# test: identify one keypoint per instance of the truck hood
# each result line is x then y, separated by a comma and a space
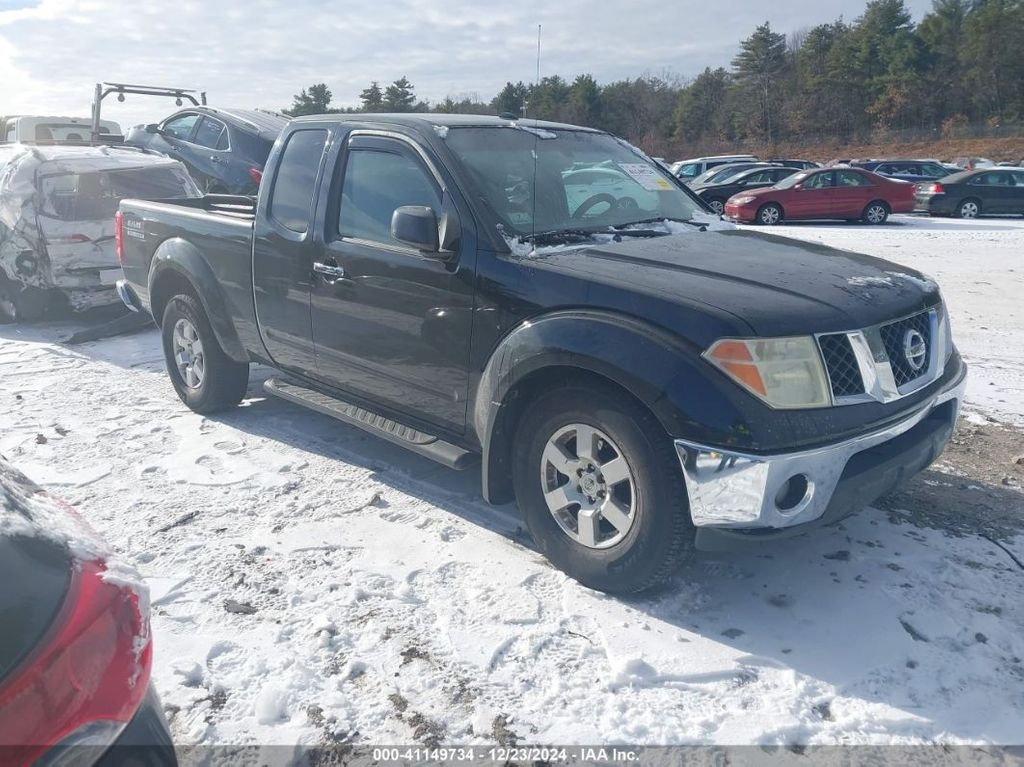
778, 286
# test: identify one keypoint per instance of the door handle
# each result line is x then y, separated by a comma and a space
330, 271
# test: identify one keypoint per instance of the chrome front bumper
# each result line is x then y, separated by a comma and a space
740, 490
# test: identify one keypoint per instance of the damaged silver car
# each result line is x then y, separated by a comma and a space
57, 206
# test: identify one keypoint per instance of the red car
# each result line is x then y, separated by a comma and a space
75, 649
843, 193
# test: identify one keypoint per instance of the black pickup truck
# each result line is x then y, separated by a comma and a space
547, 302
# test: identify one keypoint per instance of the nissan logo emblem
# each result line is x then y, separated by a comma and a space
915, 349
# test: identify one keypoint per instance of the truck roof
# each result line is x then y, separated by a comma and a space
421, 119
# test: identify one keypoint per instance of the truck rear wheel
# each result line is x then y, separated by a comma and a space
601, 489
205, 378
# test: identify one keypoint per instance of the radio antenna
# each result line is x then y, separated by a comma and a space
533, 215
538, 55
536, 81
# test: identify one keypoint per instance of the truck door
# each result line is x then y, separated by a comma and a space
390, 323
283, 252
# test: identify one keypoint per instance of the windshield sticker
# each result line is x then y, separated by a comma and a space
646, 176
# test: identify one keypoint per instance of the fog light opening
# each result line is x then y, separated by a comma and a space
792, 492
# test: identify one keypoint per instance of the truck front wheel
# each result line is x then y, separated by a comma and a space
601, 489
205, 378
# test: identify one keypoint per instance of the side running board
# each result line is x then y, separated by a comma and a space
418, 442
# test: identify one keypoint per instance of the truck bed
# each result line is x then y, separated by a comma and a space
211, 235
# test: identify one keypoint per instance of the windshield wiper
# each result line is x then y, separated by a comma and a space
659, 219
559, 235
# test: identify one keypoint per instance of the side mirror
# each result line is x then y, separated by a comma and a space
152, 128
416, 226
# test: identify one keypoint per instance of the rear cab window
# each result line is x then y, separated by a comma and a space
291, 198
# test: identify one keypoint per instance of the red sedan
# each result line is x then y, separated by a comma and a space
841, 193
75, 650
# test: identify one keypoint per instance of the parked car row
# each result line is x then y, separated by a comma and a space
695, 169
850, 194
764, 194
699, 171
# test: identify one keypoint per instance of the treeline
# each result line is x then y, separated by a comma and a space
962, 64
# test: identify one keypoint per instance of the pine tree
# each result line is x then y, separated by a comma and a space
314, 101
757, 67
372, 98
511, 99
399, 96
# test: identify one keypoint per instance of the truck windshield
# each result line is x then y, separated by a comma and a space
554, 180
94, 195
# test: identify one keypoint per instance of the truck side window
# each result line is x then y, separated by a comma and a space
377, 182
292, 196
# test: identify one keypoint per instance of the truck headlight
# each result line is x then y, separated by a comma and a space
742, 200
782, 372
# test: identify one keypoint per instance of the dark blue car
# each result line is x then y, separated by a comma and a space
914, 171
223, 149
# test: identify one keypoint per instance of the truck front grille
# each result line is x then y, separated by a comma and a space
895, 336
841, 363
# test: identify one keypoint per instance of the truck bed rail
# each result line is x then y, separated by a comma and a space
233, 205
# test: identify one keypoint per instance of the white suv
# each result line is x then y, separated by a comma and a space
36, 129
690, 169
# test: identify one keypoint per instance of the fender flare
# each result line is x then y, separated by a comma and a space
179, 258
657, 367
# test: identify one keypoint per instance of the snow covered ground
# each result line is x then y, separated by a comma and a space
313, 584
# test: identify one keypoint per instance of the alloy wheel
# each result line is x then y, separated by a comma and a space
969, 209
588, 486
188, 353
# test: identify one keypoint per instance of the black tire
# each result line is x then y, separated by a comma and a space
770, 214
875, 212
661, 534
969, 208
8, 308
223, 381
19, 303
